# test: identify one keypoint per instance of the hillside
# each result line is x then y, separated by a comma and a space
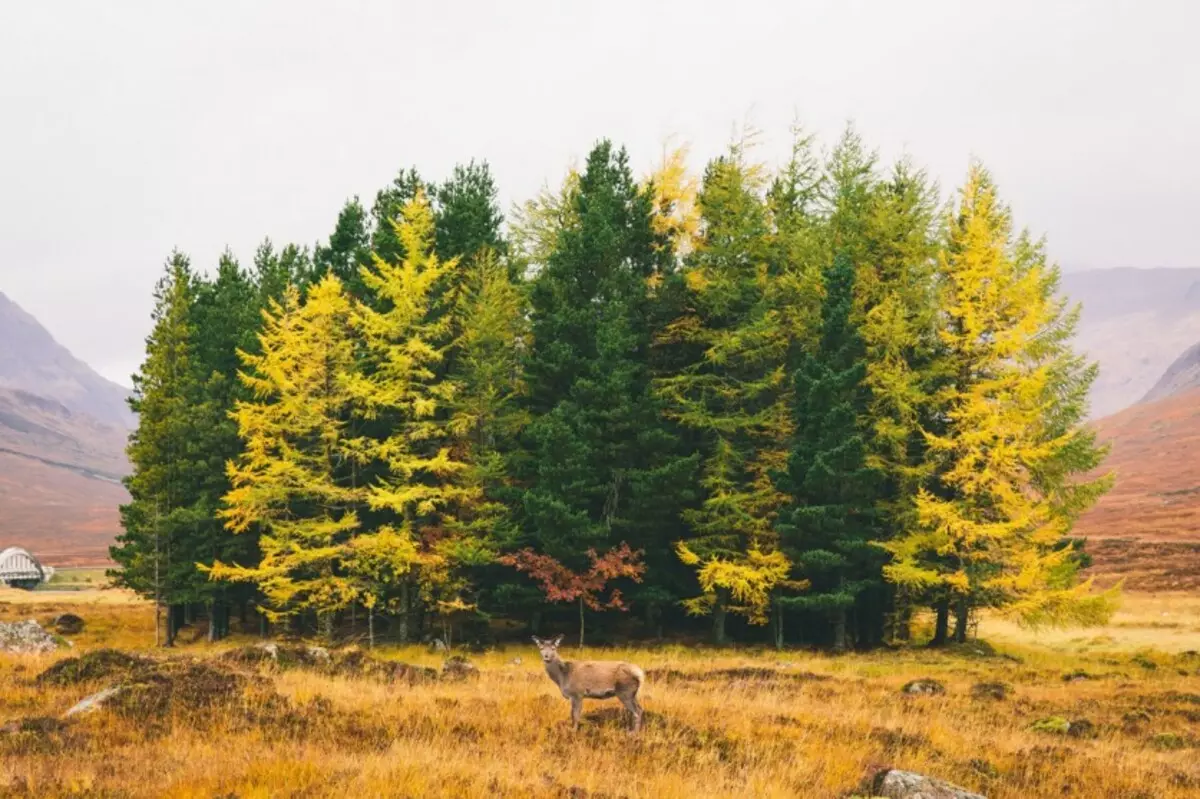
1135, 323
1148, 527
32, 361
1182, 375
62, 437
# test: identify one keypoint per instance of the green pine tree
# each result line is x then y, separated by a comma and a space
167, 499
828, 528
599, 463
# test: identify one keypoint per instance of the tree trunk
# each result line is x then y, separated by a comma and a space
942, 628
535, 621
370, 628
839, 630
353, 618
962, 617
581, 622
264, 627
325, 619
719, 617
402, 626
778, 624
213, 621
903, 631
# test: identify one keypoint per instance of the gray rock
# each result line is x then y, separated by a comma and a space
319, 655
93, 702
896, 784
25, 638
438, 646
926, 686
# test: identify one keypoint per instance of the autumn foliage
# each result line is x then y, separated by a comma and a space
561, 584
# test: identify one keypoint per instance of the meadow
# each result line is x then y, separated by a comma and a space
1111, 712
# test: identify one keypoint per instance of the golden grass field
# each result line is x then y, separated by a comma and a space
719, 723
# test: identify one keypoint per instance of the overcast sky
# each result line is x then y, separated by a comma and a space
130, 128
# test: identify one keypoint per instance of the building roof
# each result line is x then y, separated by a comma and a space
17, 564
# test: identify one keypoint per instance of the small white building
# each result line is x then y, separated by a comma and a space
19, 569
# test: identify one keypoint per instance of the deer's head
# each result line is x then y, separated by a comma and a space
548, 649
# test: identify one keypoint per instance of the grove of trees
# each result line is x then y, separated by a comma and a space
794, 404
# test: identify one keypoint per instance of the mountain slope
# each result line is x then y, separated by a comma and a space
1147, 528
60, 475
62, 447
32, 361
1182, 375
1134, 323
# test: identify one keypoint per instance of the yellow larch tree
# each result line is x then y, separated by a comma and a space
987, 532
291, 483
424, 482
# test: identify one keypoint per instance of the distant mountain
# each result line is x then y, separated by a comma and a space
1135, 323
1147, 528
1182, 375
32, 361
63, 430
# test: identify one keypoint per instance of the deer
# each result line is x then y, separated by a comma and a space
593, 679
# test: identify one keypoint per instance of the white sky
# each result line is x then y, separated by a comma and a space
130, 128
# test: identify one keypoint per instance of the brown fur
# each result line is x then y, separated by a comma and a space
593, 679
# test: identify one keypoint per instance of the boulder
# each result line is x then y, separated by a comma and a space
896, 784
25, 638
924, 686
68, 624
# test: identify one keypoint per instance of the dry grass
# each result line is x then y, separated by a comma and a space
719, 723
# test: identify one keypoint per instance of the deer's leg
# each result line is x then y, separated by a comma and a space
576, 710
631, 704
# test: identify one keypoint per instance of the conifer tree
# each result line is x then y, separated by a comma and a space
828, 528
990, 528
167, 502
388, 212
287, 483
226, 315
734, 394
598, 463
468, 213
427, 486
348, 249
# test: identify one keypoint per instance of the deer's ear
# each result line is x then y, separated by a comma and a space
536, 640
558, 641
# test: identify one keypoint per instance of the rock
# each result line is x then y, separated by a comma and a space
896, 784
438, 646
25, 638
459, 668
924, 686
93, 702
1077, 676
990, 690
68, 624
